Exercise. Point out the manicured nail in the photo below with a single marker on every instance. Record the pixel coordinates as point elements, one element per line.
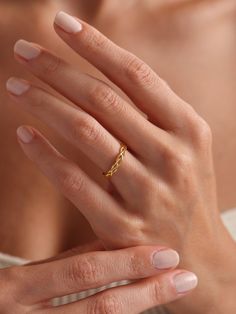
<point>185,282</point>
<point>26,50</point>
<point>17,86</point>
<point>67,22</point>
<point>165,259</point>
<point>25,134</point>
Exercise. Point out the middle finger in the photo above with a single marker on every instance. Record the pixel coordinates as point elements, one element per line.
<point>94,96</point>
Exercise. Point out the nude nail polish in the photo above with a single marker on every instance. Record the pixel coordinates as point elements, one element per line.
<point>185,282</point>
<point>26,50</point>
<point>165,259</point>
<point>16,86</point>
<point>67,22</point>
<point>25,134</point>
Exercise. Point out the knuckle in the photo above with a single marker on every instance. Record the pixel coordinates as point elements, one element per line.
<point>95,41</point>
<point>70,183</point>
<point>51,65</point>
<point>201,132</point>
<point>183,165</point>
<point>135,233</point>
<point>40,100</point>
<point>136,265</point>
<point>204,133</point>
<point>105,303</point>
<point>157,292</point>
<point>83,271</point>
<point>86,129</point>
<point>99,41</point>
<point>183,162</point>
<point>139,72</point>
<point>106,98</point>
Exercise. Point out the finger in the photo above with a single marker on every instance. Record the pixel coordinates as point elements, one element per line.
<point>93,270</point>
<point>132,75</point>
<point>85,248</point>
<point>136,297</point>
<point>98,207</point>
<point>92,95</point>
<point>82,130</point>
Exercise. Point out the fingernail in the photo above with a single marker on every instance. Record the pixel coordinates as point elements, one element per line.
<point>17,86</point>
<point>165,259</point>
<point>185,282</point>
<point>26,50</point>
<point>25,134</point>
<point>67,22</point>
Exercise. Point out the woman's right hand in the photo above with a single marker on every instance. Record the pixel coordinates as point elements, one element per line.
<point>154,281</point>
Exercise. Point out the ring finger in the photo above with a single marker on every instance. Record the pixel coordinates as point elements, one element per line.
<point>82,130</point>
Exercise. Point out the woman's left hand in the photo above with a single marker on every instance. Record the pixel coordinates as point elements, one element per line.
<point>165,186</point>
<point>149,271</point>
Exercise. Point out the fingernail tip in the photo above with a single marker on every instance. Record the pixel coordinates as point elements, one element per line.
<point>16,86</point>
<point>67,22</point>
<point>177,257</point>
<point>19,42</point>
<point>185,282</point>
<point>61,12</point>
<point>166,259</point>
<point>26,50</point>
<point>25,134</point>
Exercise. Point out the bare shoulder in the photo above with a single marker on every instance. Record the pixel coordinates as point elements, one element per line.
<point>155,8</point>
<point>181,16</point>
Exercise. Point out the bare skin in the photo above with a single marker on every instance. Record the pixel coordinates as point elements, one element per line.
<point>191,56</point>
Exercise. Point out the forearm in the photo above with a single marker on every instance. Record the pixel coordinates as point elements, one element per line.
<point>215,264</point>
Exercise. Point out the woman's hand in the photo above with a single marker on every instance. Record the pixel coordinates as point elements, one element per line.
<point>165,183</point>
<point>31,288</point>
<point>165,186</point>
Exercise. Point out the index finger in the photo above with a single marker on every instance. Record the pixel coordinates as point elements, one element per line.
<point>147,90</point>
<point>92,270</point>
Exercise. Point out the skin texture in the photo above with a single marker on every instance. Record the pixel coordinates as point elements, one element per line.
<point>168,171</point>
<point>89,267</point>
<point>224,239</point>
<point>56,224</point>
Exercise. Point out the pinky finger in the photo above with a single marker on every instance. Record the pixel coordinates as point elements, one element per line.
<point>136,297</point>
<point>89,197</point>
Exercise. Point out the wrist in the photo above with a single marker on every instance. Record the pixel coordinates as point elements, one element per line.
<point>214,262</point>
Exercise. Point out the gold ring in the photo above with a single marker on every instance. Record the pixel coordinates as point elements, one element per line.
<point>116,165</point>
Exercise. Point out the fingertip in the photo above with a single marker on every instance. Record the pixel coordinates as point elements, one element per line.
<point>25,134</point>
<point>16,86</point>
<point>67,23</point>
<point>165,259</point>
<point>184,282</point>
